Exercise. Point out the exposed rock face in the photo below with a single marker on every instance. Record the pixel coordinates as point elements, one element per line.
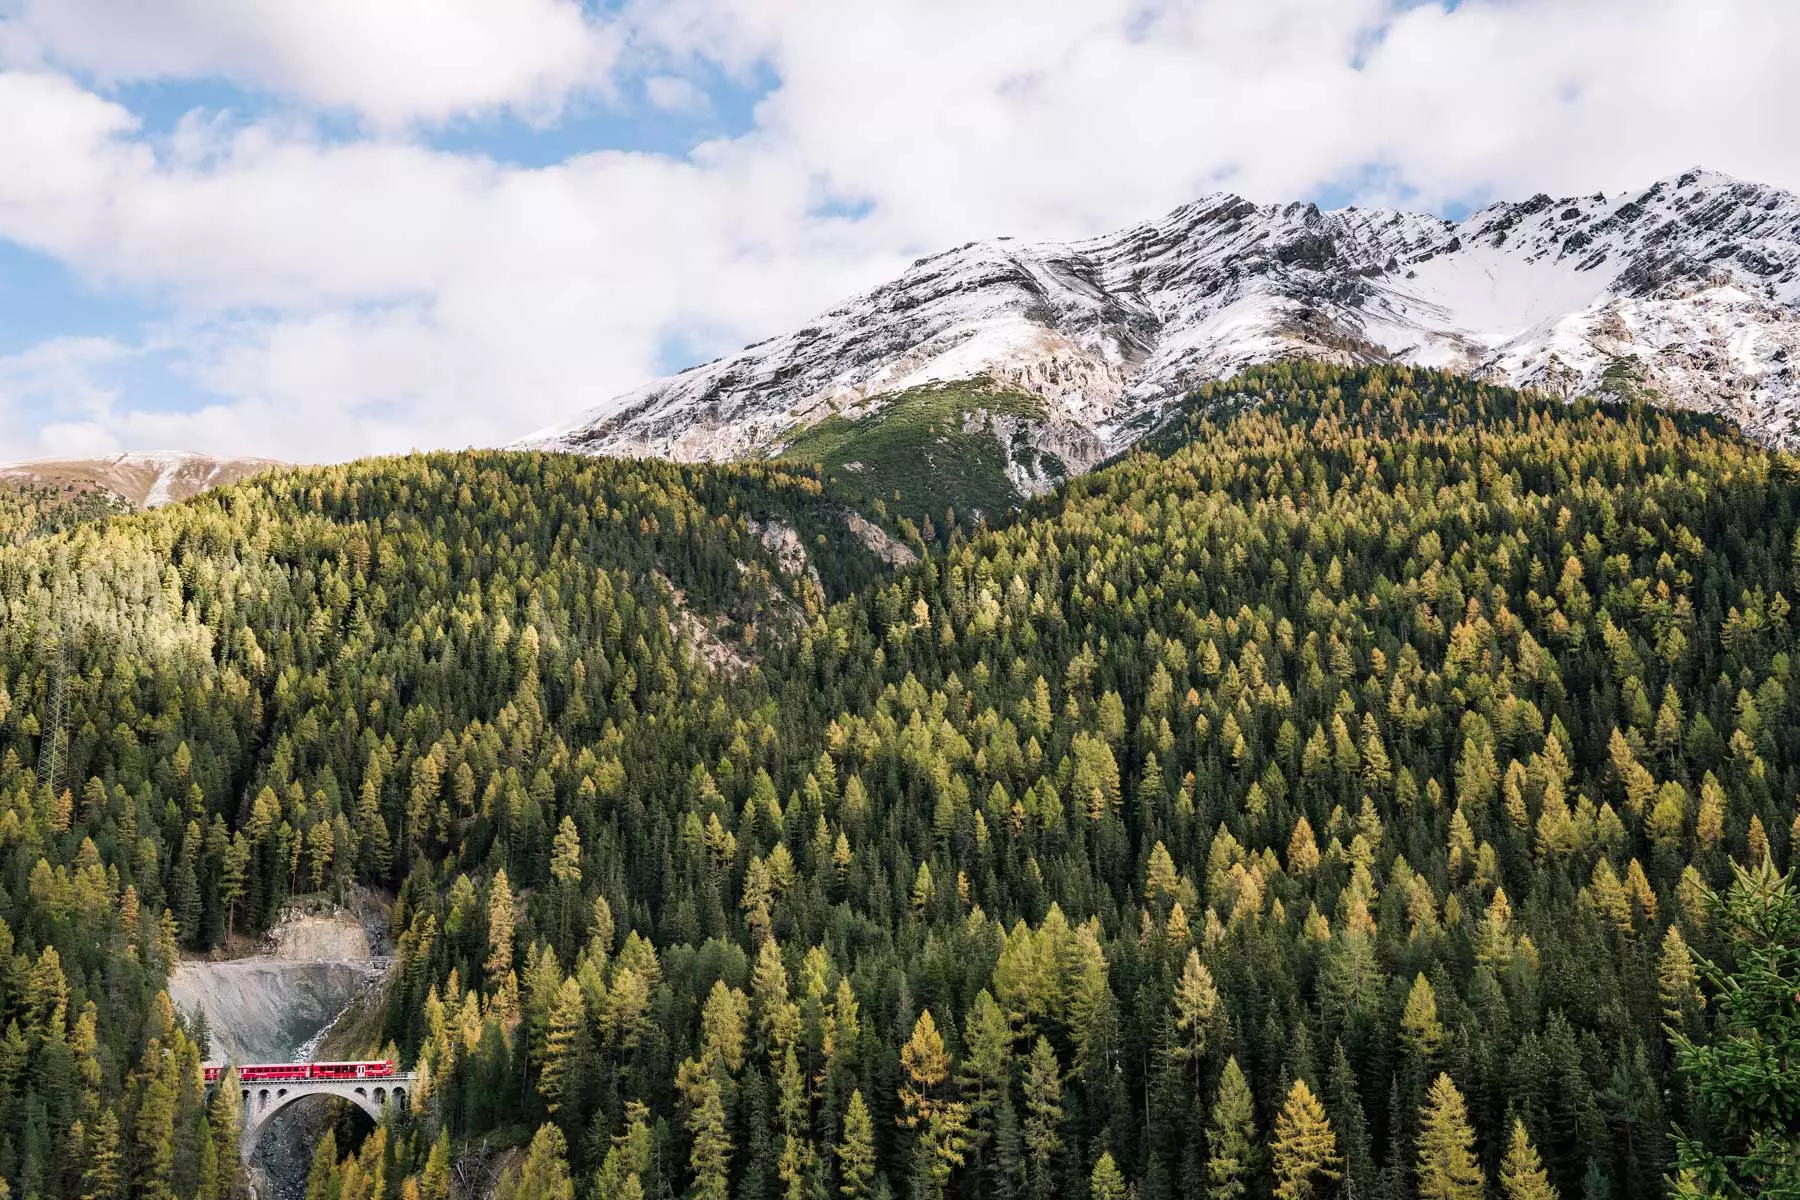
<point>262,1009</point>
<point>1691,286</point>
<point>328,934</point>
<point>884,547</point>
<point>699,636</point>
<point>271,1006</point>
<point>783,541</point>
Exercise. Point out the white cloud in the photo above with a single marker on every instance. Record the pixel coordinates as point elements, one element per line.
<point>379,294</point>
<point>673,93</point>
<point>55,396</point>
<point>392,61</point>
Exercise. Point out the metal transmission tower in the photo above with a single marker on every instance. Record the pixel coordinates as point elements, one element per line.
<point>54,743</point>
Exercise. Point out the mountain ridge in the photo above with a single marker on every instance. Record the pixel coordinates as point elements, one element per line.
<point>1689,288</point>
<point>142,479</point>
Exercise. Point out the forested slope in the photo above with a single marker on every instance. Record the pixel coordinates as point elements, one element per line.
<point>1322,799</point>
<point>29,510</point>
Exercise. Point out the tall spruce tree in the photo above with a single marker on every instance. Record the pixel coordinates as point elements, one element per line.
<point>1305,1152</point>
<point>1447,1166</point>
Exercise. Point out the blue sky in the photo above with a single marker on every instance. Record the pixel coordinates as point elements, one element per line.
<point>41,298</point>
<point>316,231</point>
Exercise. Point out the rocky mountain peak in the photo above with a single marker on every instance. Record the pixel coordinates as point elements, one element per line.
<point>1689,287</point>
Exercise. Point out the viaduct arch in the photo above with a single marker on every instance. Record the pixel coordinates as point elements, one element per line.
<point>263,1100</point>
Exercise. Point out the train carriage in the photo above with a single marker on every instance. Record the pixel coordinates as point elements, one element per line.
<point>303,1072</point>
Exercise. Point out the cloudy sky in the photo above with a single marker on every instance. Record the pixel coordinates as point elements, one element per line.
<point>319,229</point>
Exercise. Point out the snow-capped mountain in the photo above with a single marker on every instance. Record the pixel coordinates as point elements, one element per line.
<point>142,480</point>
<point>1690,287</point>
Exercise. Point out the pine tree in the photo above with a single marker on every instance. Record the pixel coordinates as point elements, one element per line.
<point>1596,1183</point>
<point>322,1175</point>
<point>1744,1075</point>
<point>791,1104</point>
<point>939,1123</point>
<point>434,1181</point>
<point>224,1116</point>
<point>1231,1137</point>
<point>709,1155</point>
<point>1160,882</point>
<point>231,883</point>
<point>1305,1146</point>
<point>923,890</point>
<point>565,870</point>
<point>1106,1183</point>
<point>1446,1162</point>
<point>1419,1026</point>
<point>1303,849</point>
<point>102,1175</point>
<point>1522,1175</point>
<point>373,841</point>
<point>856,1151</point>
<point>565,1046</point>
<point>722,1027</point>
<point>201,1175</point>
<point>1043,1119</point>
<point>1677,981</point>
<point>987,1063</point>
<point>1344,1107</point>
<point>154,1137</point>
<point>769,992</point>
<point>544,1175</point>
<point>630,1158</point>
<point>499,962</point>
<point>1196,999</point>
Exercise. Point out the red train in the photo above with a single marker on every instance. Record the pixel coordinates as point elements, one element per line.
<point>289,1072</point>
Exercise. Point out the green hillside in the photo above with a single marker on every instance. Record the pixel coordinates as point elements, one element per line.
<point>1324,799</point>
<point>942,452</point>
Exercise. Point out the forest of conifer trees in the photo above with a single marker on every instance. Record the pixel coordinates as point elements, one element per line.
<point>1377,784</point>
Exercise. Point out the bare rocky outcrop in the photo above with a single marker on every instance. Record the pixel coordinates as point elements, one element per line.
<point>319,933</point>
<point>884,547</point>
<point>264,1009</point>
<point>699,636</point>
<point>267,1006</point>
<point>783,541</point>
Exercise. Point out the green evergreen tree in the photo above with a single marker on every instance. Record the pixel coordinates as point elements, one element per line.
<point>1106,1183</point>
<point>1305,1147</point>
<point>1231,1137</point>
<point>1745,1075</point>
<point>1043,1119</point>
<point>102,1176</point>
<point>543,1175</point>
<point>1447,1166</point>
<point>856,1151</point>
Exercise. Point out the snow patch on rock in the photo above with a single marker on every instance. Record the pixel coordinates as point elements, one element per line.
<point>142,479</point>
<point>1695,278</point>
